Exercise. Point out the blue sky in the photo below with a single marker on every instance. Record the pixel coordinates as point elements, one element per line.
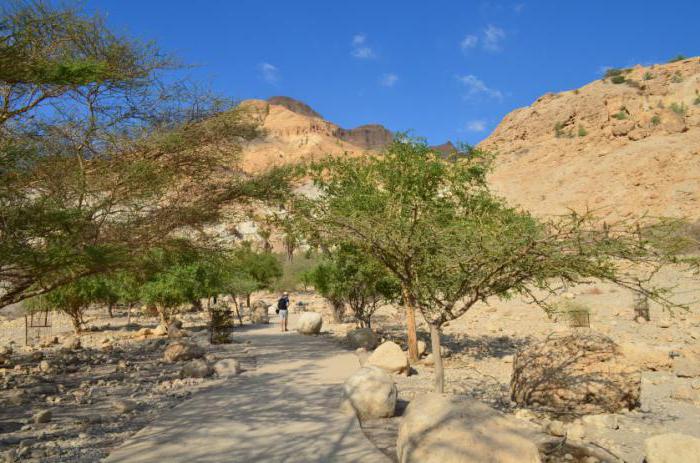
<point>447,70</point>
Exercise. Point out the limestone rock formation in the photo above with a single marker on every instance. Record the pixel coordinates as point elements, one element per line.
<point>621,149</point>
<point>456,429</point>
<point>370,393</point>
<point>580,372</point>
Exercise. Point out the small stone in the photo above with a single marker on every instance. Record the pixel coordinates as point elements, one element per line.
<point>227,367</point>
<point>43,416</point>
<point>44,366</point>
<point>124,406</point>
<point>556,428</point>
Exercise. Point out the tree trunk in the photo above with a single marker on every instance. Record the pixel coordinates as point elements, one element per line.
<point>338,311</point>
<point>411,325</point>
<point>238,309</point>
<point>247,300</point>
<point>110,306</point>
<point>163,314</point>
<point>437,358</point>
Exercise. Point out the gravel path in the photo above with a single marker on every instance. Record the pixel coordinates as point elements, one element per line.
<point>284,411</point>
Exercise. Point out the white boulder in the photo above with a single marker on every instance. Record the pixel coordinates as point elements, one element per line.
<point>389,357</point>
<point>309,323</point>
<point>370,393</point>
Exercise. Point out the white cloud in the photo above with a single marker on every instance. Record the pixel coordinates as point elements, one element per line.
<point>388,80</point>
<point>470,41</point>
<point>477,87</point>
<point>360,49</point>
<point>269,73</point>
<point>477,125</point>
<point>491,39</point>
<point>493,36</point>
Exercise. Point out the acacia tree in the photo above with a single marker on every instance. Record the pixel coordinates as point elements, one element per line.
<point>451,243</point>
<point>348,277</point>
<point>136,152</point>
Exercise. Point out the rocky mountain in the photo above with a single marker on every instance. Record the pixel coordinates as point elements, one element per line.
<point>295,132</point>
<point>625,145</point>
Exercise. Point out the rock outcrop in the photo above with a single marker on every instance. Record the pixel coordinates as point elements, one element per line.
<point>620,148</point>
<point>672,448</point>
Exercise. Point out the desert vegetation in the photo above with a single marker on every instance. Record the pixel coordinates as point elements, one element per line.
<point>118,178</point>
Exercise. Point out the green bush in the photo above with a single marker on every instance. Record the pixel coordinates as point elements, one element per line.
<point>697,101</point>
<point>678,58</point>
<point>618,80</point>
<point>558,129</point>
<point>648,75</point>
<point>656,120</point>
<point>612,72</point>
<point>677,78</point>
<point>621,115</point>
<point>679,109</point>
<point>582,132</point>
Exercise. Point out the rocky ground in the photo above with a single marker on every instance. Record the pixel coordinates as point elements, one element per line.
<point>75,400</point>
<point>481,346</point>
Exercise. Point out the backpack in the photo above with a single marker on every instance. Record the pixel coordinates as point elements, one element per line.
<point>281,305</point>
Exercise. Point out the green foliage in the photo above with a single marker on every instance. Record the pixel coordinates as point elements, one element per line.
<point>348,276</point>
<point>582,132</point>
<point>679,108</point>
<point>134,146</point>
<point>648,75</point>
<point>621,115</point>
<point>655,120</point>
<point>296,273</point>
<point>696,102</point>
<point>677,78</point>
<point>618,79</point>
<point>613,72</point>
<point>678,58</point>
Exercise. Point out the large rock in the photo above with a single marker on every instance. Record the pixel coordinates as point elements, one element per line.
<point>581,372</point>
<point>455,429</point>
<point>259,313</point>
<point>196,369</point>
<point>370,393</point>
<point>389,357</point>
<point>672,448</point>
<point>72,343</point>
<point>179,351</point>
<point>309,323</point>
<point>363,337</point>
<point>43,416</point>
<point>687,365</point>
<point>227,367</point>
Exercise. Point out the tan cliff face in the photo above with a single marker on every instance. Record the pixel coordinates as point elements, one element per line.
<point>294,132</point>
<point>622,150</point>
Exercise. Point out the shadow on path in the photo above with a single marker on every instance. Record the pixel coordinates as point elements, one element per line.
<point>287,410</point>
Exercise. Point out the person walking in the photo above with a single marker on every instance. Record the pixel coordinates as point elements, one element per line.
<point>283,310</point>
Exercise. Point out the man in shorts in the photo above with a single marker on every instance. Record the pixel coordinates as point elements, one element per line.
<point>283,311</point>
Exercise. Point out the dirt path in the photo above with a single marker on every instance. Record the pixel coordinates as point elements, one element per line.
<point>284,411</point>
